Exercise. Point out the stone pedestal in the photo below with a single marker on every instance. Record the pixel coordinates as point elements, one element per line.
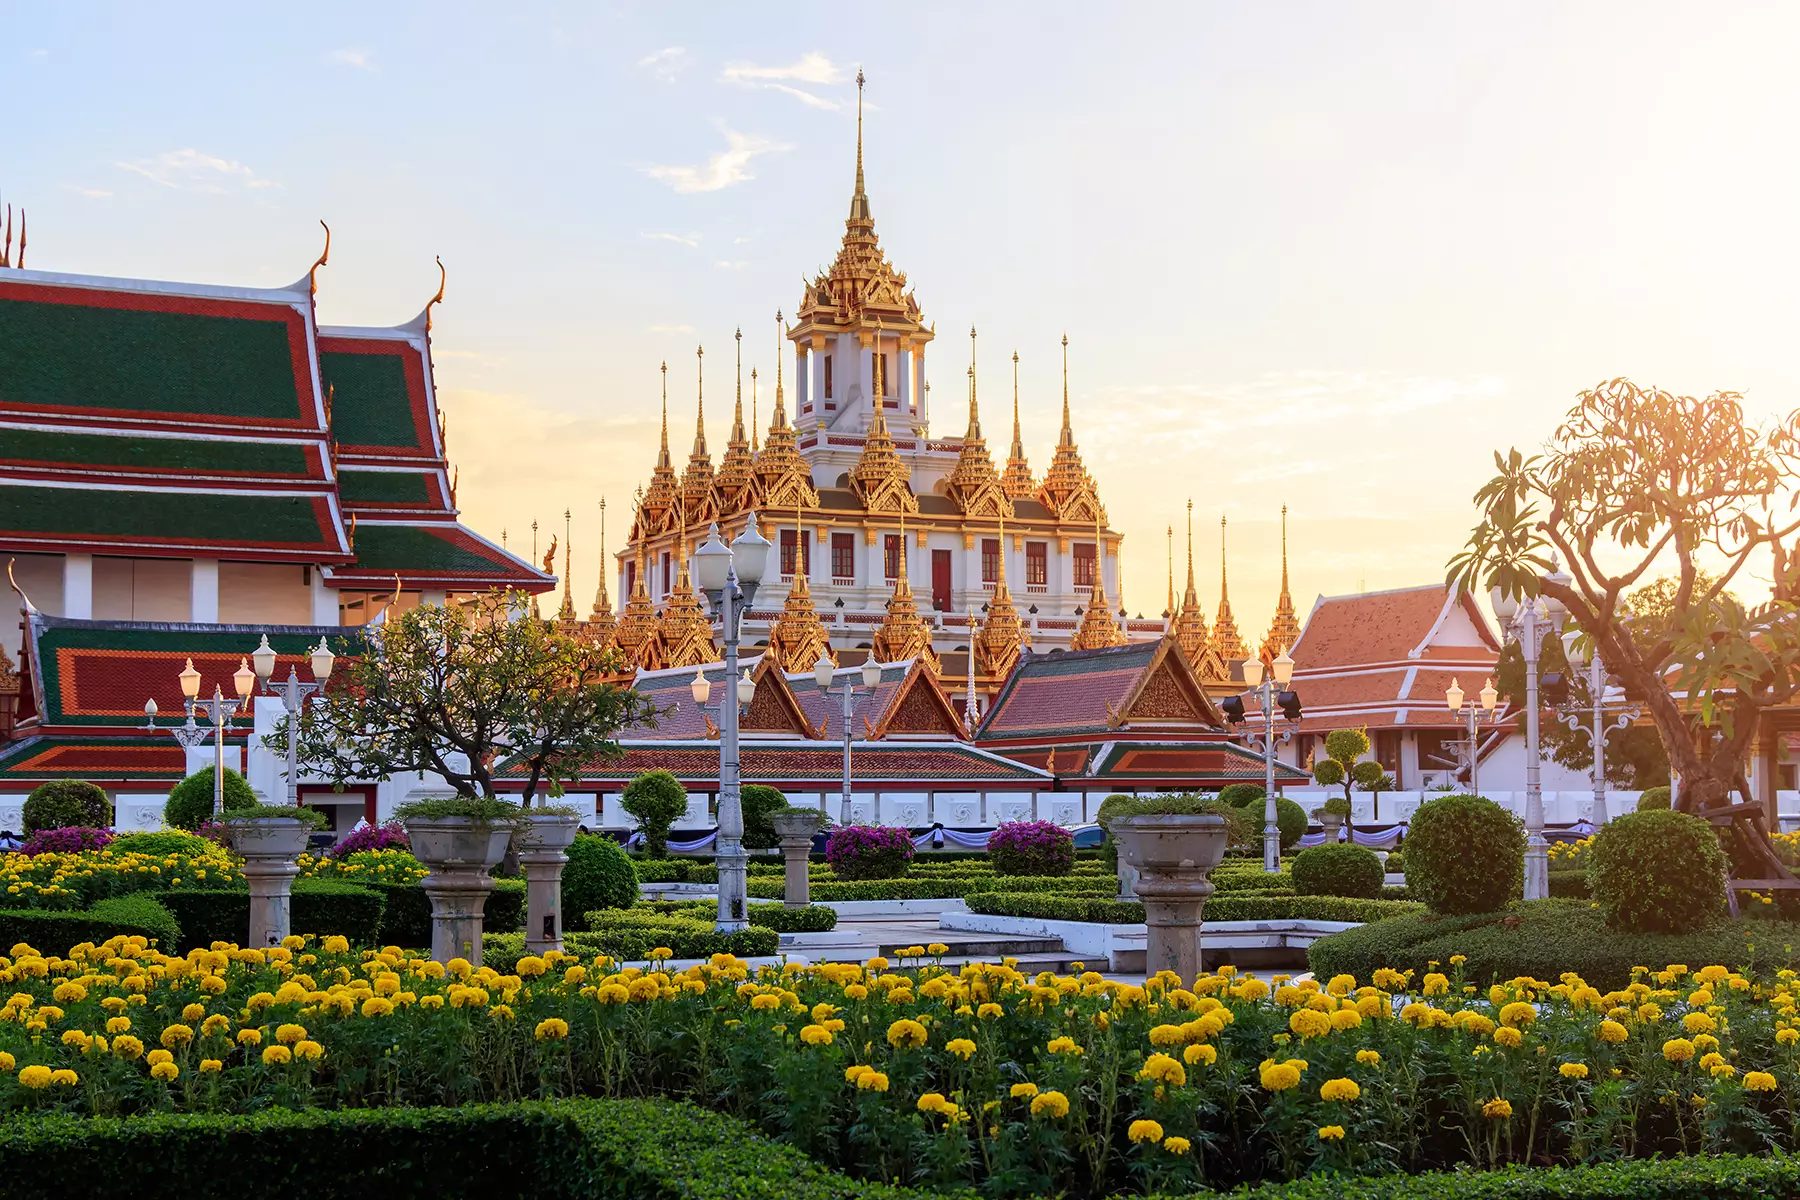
<point>796,830</point>
<point>1173,855</point>
<point>1333,824</point>
<point>1128,877</point>
<point>271,849</point>
<point>542,843</point>
<point>457,853</point>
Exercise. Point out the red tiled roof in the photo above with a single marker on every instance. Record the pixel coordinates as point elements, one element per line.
<point>1374,627</point>
<point>798,762</point>
<point>38,759</point>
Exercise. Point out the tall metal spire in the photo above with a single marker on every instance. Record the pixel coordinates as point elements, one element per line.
<point>662,458</point>
<point>859,201</point>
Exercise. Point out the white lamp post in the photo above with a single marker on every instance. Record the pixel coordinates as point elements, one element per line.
<point>871,678</point>
<point>219,710</point>
<point>1530,623</point>
<point>292,695</point>
<point>729,576</point>
<point>1489,697</point>
<point>1601,718</point>
<point>1280,674</point>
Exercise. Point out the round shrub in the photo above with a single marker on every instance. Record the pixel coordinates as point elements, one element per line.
<point>1654,798</point>
<point>71,839</point>
<point>63,803</point>
<point>1657,872</point>
<point>760,802</point>
<point>162,843</point>
<point>1464,854</point>
<point>1032,848</point>
<point>191,802</point>
<point>657,800</point>
<point>599,876</point>
<point>1338,870</point>
<point>1241,795</point>
<point>868,851</point>
<point>1290,819</point>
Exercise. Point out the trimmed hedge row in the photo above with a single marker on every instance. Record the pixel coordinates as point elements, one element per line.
<point>1219,908</point>
<point>813,918</point>
<point>318,906</point>
<point>629,939</point>
<point>936,889</point>
<point>1543,939</point>
<point>1720,1177</point>
<point>53,932</point>
<point>607,1149</point>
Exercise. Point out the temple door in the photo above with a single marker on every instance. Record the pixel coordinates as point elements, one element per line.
<point>940,580</point>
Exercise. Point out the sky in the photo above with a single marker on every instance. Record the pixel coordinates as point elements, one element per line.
<point>1331,255</point>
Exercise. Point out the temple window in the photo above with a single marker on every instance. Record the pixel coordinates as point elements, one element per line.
<point>843,558</point>
<point>990,559</point>
<point>1084,565</point>
<point>828,377</point>
<point>890,555</point>
<point>790,539</point>
<point>1037,564</point>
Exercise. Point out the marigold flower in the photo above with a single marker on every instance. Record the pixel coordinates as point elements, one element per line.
<point>1050,1104</point>
<point>377,1006</point>
<point>128,1047</point>
<point>1759,1081</point>
<point>1612,1031</point>
<point>276,1055</point>
<point>1340,1090</point>
<point>158,1056</point>
<point>816,1035</point>
<point>65,1078</point>
<point>1678,1050</point>
<point>211,1066</point>
<point>1309,1023</point>
<point>7,1061</point>
<point>1369,1058</point>
<point>1331,1133</point>
<point>1509,1037</point>
<point>1497,1109</point>
<point>336,945</point>
<point>1573,1070</point>
<point>907,1034</point>
<point>287,1035</point>
<point>963,1048</point>
<point>934,1102</point>
<point>1177,1145</point>
<point>1142,1131</point>
<point>1517,1014</point>
<point>989,1011</point>
<point>872,1081</point>
<point>1024,1091</point>
<point>1279,1077</point>
<point>1200,1053</point>
<point>1064,1045</point>
<point>1787,1037</point>
<point>165,1071</point>
<point>177,1035</point>
<point>530,967</point>
<point>551,1029</point>
<point>34,1076</point>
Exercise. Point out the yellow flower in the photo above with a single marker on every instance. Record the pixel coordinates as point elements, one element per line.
<point>276,1055</point>
<point>164,1071</point>
<point>872,1081</point>
<point>551,1029</point>
<point>1787,1037</point>
<point>1497,1109</point>
<point>1331,1133</point>
<point>963,1048</point>
<point>1573,1070</point>
<point>1309,1023</point>
<point>856,991</point>
<point>1177,1145</point>
<point>530,967</point>
<point>34,1076</point>
<point>816,1035</point>
<point>1142,1131</point>
<point>1024,1091</point>
<point>287,1035</point>
<point>906,1034</point>
<point>764,1001</point>
<point>1509,1037</point>
<point>1164,1070</point>
<point>1436,984</point>
<point>1612,1031</point>
<point>1759,1081</point>
<point>1279,1077</point>
<point>307,1050</point>
<point>1517,1014</point>
<point>1052,1104</point>
<point>249,1037</point>
<point>66,1078</point>
<point>336,945</point>
<point>1699,1022</point>
<point>1200,1053</point>
<point>935,1102</point>
<point>1340,1090</point>
<point>1369,1058</point>
<point>159,1056</point>
<point>211,1066</point>
<point>177,1035</point>
<point>7,1062</point>
<point>855,1071</point>
<point>128,1047</point>
<point>377,1006</point>
<point>193,1013</point>
<point>1678,1050</point>
<point>1064,1045</point>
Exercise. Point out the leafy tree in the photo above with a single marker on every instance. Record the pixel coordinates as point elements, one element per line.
<point>760,802</point>
<point>657,800</point>
<point>190,802</point>
<point>466,691</point>
<point>1342,767</point>
<point>1636,479</point>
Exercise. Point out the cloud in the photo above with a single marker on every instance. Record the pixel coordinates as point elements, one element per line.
<point>90,193</point>
<point>813,68</point>
<point>670,329</point>
<point>666,63</point>
<point>731,265</point>
<point>189,169</point>
<point>729,166</point>
<point>351,58</point>
<point>691,240</point>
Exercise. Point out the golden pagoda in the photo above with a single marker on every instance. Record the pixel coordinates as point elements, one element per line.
<point>973,482</point>
<point>635,636</point>
<point>697,504</point>
<point>659,509</point>
<point>683,633</point>
<point>798,637</point>
<point>782,476</point>
<point>997,644</point>
<point>736,479</point>
<point>601,623</point>
<point>1190,622</point>
<point>903,633</point>
<point>1284,630</point>
<point>1068,491</point>
<point>1017,480</point>
<point>880,480</point>
<point>565,615</point>
<point>1226,641</point>
<point>1098,628</point>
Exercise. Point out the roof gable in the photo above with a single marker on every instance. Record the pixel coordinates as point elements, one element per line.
<point>381,401</point>
<point>917,708</point>
<point>1373,627</point>
<point>1067,692</point>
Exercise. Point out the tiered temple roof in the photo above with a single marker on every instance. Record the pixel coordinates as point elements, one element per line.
<point>1226,641</point>
<point>1001,638</point>
<point>735,483</point>
<point>881,481</point>
<point>635,635</point>
<point>1068,491</point>
<point>903,634</point>
<point>782,476</point>
<point>1284,630</point>
<point>1190,622</point>
<point>698,504</point>
<point>1018,480</point>
<point>973,482</point>
<point>684,635</point>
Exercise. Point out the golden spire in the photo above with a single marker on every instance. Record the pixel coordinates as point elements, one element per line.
<point>1190,620</point>
<point>1098,628</point>
<point>697,483</point>
<point>601,622</point>
<point>753,415</point>
<point>636,633</point>
<point>783,478</point>
<point>859,201</point>
<point>566,614</point>
<point>798,637</point>
<point>1226,639</point>
<point>996,647</point>
<point>1067,484</point>
<point>903,633</point>
<point>665,489</point>
<point>684,635</point>
<point>879,478</point>
<point>1169,610</point>
<point>737,468</point>
<point>973,482</point>
<point>1284,630</point>
<point>1017,481</point>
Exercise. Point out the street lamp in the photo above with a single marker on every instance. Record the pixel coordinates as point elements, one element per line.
<point>729,575</point>
<point>1453,695</point>
<point>219,712</point>
<point>871,678</point>
<point>1281,673</point>
<point>292,695</point>
<point>1530,623</point>
<point>1602,718</point>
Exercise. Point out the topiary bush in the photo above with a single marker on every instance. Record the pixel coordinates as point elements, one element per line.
<point>62,803</point>
<point>1290,819</point>
<point>1338,870</point>
<point>1464,854</point>
<point>162,843</point>
<point>657,800</point>
<point>1241,795</point>
<point>1032,848</point>
<point>1654,798</point>
<point>191,801</point>
<point>1657,872</point>
<point>599,876</point>
<point>868,852</point>
<point>760,802</point>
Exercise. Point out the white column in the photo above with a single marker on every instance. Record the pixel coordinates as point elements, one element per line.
<point>801,379</point>
<point>918,383</point>
<point>876,578</point>
<point>78,586</point>
<point>903,382</point>
<point>865,372</point>
<point>267,773</point>
<point>322,600</point>
<point>203,592</point>
<point>972,579</point>
<point>818,386</point>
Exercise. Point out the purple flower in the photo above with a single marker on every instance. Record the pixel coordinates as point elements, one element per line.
<point>1032,848</point>
<point>869,851</point>
<point>386,836</point>
<point>71,839</point>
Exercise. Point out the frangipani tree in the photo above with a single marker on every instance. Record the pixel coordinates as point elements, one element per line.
<point>463,691</point>
<point>1342,767</point>
<point>1634,482</point>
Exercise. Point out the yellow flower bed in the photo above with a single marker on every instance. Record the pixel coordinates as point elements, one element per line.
<point>65,881</point>
<point>983,1075</point>
<point>365,866</point>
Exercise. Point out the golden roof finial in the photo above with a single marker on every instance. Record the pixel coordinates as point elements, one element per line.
<point>699,400</point>
<point>738,426</point>
<point>662,459</point>
<point>567,611</point>
<point>1169,612</point>
<point>1225,637</point>
<point>1017,480</point>
<point>1068,432</point>
<point>312,276</point>
<point>443,281</point>
<point>754,417</point>
<point>859,201</point>
<point>1284,630</point>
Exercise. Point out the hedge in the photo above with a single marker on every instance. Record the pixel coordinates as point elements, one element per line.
<point>406,921</point>
<point>1572,884</point>
<point>1714,1177</point>
<point>318,906</point>
<point>936,889</point>
<point>1219,908</point>
<point>55,932</point>
<point>630,940</point>
<point>810,918</point>
<point>1543,939</point>
<point>607,1149</point>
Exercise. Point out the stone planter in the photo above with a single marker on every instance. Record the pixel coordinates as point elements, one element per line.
<point>542,843</point>
<point>1333,824</point>
<point>1172,855</point>
<point>458,853</point>
<point>796,830</point>
<point>271,849</point>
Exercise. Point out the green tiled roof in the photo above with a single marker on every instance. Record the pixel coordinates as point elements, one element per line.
<point>77,356</point>
<point>138,514</point>
<point>370,405</point>
<point>388,548</point>
<point>152,453</point>
<point>376,487</point>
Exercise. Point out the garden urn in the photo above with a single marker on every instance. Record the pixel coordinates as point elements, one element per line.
<point>1333,825</point>
<point>457,853</point>
<point>1172,854</point>
<point>271,849</point>
<point>796,830</point>
<point>543,840</point>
